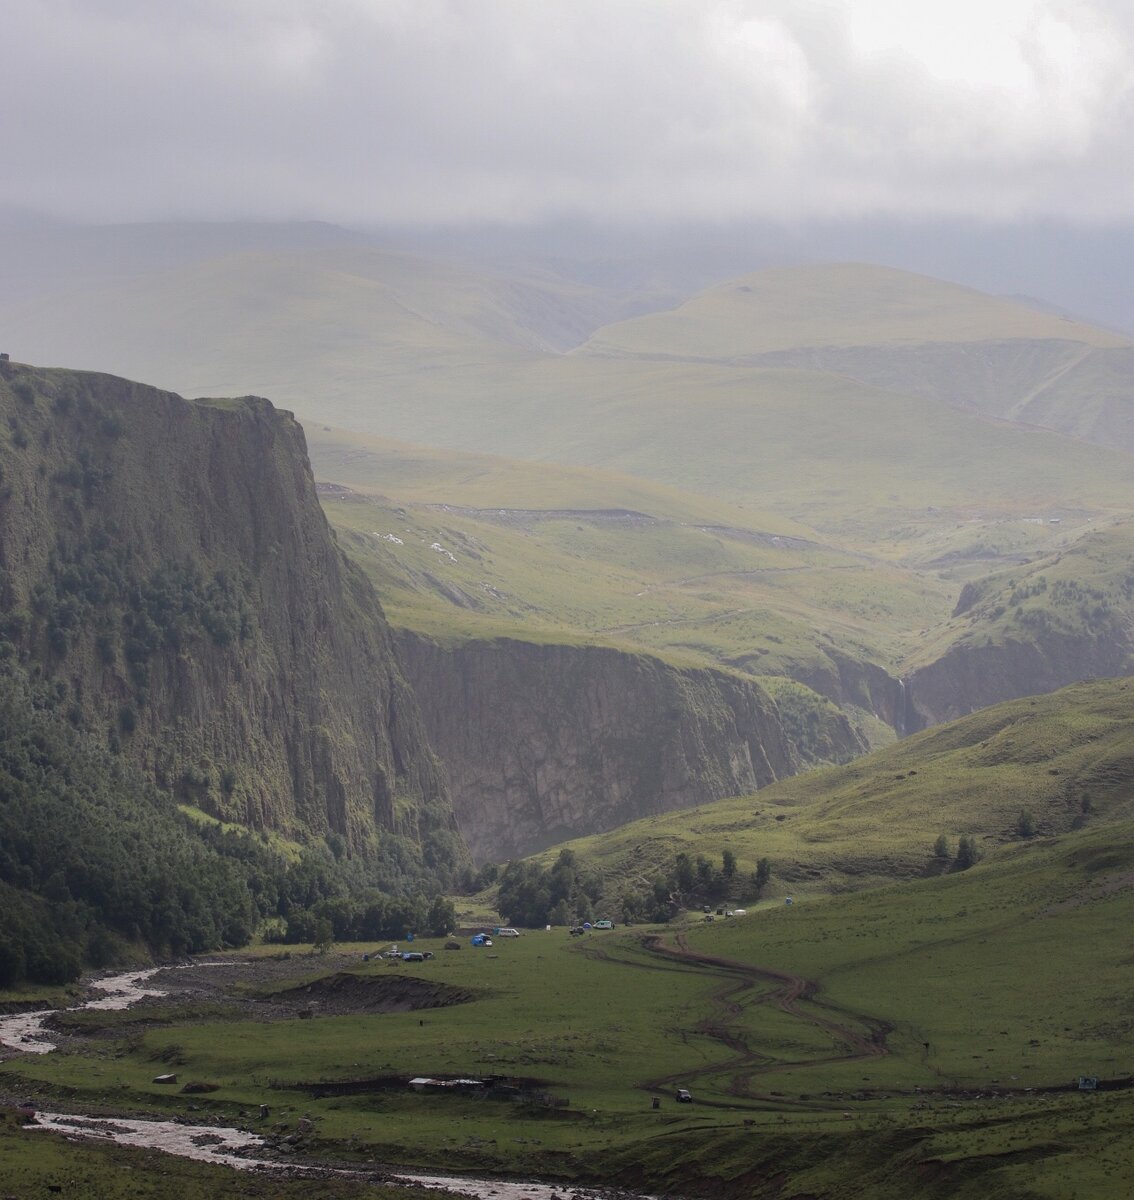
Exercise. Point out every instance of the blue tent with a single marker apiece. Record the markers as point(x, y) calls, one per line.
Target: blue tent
point(480, 939)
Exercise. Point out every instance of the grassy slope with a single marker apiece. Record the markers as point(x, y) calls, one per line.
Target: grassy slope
point(1073, 592)
point(1064, 757)
point(682, 575)
point(840, 304)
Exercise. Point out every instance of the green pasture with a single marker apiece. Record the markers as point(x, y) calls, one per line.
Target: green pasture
point(991, 987)
point(1063, 758)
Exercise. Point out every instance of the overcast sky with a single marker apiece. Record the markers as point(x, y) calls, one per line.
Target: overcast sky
point(366, 111)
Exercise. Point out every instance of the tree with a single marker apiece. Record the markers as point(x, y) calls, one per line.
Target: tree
point(761, 875)
point(1025, 824)
point(967, 853)
point(683, 872)
point(442, 917)
point(941, 847)
point(324, 936)
point(728, 864)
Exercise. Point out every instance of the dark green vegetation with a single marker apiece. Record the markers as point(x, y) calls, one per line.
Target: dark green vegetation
point(916, 1039)
point(569, 891)
point(96, 866)
point(206, 732)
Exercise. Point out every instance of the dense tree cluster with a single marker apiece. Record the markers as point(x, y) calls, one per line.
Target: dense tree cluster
point(570, 891)
point(96, 865)
point(369, 916)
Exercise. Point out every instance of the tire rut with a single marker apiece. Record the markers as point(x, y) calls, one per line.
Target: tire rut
point(787, 993)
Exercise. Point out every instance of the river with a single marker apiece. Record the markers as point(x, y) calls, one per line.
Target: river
point(237, 1148)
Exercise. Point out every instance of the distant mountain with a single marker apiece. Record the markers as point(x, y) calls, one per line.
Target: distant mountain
point(908, 334)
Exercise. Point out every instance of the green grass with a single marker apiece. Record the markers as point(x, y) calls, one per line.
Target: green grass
point(1065, 758)
point(827, 305)
point(1013, 973)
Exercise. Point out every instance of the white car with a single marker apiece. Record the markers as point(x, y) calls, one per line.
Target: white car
point(508, 933)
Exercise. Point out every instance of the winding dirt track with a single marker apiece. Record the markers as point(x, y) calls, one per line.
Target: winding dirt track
point(862, 1037)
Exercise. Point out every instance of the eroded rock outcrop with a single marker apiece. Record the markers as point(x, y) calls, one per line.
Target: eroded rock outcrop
point(969, 677)
point(547, 742)
point(167, 564)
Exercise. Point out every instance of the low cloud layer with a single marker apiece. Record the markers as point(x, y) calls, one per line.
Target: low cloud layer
point(420, 111)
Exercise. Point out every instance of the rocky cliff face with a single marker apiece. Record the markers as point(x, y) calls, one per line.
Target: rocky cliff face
point(167, 565)
point(547, 742)
point(968, 677)
point(1033, 628)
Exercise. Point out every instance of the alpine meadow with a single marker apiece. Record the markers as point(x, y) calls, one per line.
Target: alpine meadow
point(631, 624)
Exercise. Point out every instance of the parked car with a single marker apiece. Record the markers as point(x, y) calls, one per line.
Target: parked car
point(413, 956)
point(508, 933)
point(684, 1096)
point(576, 931)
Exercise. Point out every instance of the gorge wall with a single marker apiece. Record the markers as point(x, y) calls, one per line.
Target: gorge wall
point(968, 677)
point(165, 563)
point(547, 742)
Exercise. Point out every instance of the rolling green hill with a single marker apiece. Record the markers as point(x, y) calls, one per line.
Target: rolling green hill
point(1064, 759)
point(833, 305)
point(906, 333)
point(883, 1035)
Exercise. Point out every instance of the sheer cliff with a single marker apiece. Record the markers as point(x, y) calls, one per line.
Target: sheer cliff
point(166, 565)
point(547, 742)
point(1031, 629)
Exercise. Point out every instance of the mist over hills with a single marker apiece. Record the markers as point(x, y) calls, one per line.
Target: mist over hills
point(814, 463)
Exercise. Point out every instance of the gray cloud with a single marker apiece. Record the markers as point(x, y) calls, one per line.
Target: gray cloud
point(509, 110)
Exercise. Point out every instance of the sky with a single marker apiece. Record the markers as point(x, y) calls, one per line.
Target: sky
point(434, 112)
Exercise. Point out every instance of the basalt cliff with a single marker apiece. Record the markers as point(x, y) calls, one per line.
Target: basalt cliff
point(547, 742)
point(166, 568)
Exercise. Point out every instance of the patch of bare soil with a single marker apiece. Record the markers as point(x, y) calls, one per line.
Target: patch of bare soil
point(343, 993)
point(262, 989)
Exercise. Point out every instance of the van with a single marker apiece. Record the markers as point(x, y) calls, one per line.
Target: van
point(604, 924)
point(508, 933)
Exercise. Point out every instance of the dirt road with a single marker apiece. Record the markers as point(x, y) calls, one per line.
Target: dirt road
point(745, 985)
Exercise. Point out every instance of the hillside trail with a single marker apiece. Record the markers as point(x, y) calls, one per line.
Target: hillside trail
point(862, 1037)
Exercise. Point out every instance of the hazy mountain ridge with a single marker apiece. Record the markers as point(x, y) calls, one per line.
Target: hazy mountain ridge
point(906, 333)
